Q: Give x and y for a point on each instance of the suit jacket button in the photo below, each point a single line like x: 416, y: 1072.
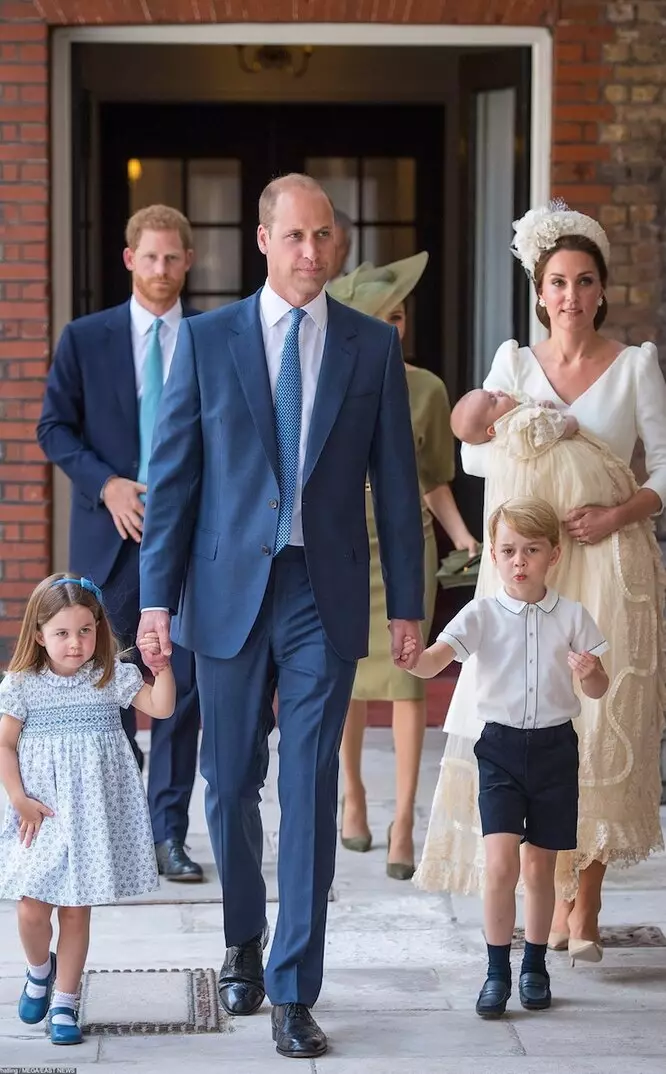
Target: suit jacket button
x: 266, y: 550
x: 273, y: 504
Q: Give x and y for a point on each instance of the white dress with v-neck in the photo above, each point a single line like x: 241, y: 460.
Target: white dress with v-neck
x: 619, y: 581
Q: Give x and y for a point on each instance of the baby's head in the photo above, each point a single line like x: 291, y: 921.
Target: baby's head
x: 473, y: 417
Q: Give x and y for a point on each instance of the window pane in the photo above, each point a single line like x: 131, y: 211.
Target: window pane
x: 210, y: 302
x: 156, y: 182
x: 217, y: 260
x: 382, y: 245
x: 214, y: 191
x: 389, y: 189
x: 338, y: 176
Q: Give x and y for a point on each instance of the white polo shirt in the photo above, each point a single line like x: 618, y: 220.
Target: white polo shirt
x: 522, y: 676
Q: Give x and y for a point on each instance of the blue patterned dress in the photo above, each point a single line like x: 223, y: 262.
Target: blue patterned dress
x: 74, y: 757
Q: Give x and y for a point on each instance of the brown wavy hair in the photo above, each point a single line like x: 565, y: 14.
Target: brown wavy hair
x: 45, y: 602
x: 578, y: 244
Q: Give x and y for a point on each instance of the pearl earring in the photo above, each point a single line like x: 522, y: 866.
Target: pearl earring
x: 601, y: 301
x: 542, y: 302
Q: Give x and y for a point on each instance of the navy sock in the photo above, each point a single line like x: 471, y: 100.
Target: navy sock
x: 534, y: 959
x: 499, y: 962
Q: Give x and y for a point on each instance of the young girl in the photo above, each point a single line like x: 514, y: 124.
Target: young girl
x: 77, y: 830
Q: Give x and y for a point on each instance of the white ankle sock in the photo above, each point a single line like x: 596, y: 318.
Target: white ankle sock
x: 38, y: 991
x: 64, y: 999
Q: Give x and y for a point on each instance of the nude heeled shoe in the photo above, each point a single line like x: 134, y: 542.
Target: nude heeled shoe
x: 558, y: 941
x: 585, y: 951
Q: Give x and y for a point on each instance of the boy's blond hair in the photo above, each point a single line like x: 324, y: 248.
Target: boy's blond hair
x: 527, y: 515
x: 158, y: 218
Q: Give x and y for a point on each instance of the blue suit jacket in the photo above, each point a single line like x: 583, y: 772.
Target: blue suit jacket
x: 211, y: 516
x: 90, y: 428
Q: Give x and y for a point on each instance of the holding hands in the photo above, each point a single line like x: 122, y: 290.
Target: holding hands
x: 406, y: 643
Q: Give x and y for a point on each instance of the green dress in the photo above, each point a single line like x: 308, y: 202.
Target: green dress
x: 377, y: 677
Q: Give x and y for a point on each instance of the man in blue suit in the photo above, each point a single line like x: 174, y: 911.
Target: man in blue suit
x: 97, y: 424
x: 277, y: 409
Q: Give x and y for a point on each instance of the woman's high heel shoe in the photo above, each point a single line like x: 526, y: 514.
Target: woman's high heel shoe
x: 361, y: 844
x: 585, y: 951
x: 558, y: 941
x: 397, y: 870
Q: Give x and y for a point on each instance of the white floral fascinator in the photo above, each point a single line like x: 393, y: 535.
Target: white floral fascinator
x: 539, y: 229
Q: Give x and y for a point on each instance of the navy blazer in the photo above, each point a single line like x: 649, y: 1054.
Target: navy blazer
x: 90, y: 428
x: 211, y: 511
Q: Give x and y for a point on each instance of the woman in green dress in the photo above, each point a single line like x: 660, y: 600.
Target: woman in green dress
x: 381, y: 292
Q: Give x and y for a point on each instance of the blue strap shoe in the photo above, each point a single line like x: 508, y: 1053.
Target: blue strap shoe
x: 534, y: 991
x: 34, y: 1010
x: 64, y: 1034
x: 493, y: 998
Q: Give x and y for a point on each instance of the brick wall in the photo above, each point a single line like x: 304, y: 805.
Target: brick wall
x: 24, y: 194
x: 609, y: 114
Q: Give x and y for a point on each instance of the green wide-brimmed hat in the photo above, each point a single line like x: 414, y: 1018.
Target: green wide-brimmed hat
x: 377, y: 290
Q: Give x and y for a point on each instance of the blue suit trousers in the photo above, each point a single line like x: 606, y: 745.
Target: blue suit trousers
x: 286, y: 651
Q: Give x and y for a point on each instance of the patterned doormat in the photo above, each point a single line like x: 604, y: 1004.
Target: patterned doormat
x: 119, y: 1002
x: 616, y: 936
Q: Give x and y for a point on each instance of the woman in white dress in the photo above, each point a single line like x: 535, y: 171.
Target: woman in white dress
x: 618, y: 394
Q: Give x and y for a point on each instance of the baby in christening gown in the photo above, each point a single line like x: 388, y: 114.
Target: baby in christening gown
x: 540, y: 451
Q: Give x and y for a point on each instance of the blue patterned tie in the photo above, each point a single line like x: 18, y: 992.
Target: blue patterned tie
x: 153, y: 380
x: 288, y: 401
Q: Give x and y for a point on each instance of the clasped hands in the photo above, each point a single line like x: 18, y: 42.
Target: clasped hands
x: 590, y: 524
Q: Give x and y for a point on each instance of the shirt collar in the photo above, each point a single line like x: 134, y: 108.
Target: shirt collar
x: 143, y: 319
x: 547, y: 603
x: 274, y: 307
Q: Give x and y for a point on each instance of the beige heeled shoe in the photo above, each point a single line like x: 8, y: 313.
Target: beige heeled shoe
x: 558, y: 941
x: 584, y: 951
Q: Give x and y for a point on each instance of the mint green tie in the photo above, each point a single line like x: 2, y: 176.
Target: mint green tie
x: 153, y: 380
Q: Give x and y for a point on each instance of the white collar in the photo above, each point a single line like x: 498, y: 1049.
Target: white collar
x: 547, y: 603
x: 274, y: 307
x: 143, y: 319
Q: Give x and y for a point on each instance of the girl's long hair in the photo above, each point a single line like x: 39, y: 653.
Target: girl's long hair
x: 46, y: 601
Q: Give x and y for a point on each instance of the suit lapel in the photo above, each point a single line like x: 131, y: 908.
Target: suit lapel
x: 120, y: 364
x: 337, y: 366
x: 247, y: 349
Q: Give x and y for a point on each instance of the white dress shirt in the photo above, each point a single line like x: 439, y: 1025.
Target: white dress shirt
x: 275, y: 321
x: 142, y: 321
x: 523, y: 679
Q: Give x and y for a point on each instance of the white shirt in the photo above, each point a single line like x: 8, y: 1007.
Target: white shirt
x: 142, y: 321
x: 275, y: 321
x: 626, y: 403
x: 522, y: 676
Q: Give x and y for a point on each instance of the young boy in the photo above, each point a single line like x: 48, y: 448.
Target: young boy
x: 528, y: 641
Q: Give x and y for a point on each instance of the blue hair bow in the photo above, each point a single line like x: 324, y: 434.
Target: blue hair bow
x: 85, y: 583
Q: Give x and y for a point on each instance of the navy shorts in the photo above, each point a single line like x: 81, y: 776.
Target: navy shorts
x: 528, y: 783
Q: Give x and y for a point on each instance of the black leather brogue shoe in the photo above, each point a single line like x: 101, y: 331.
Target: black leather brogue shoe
x: 295, y: 1032
x: 241, y: 981
x: 173, y: 862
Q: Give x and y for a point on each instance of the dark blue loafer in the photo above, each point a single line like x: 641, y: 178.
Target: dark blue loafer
x: 64, y: 1034
x: 34, y: 1010
x: 493, y: 998
x: 534, y: 991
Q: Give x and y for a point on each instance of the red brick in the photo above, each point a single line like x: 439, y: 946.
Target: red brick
x: 21, y: 31
x: 580, y: 113
x: 17, y: 590
x: 23, y: 113
x: 10, y: 72
x: 581, y: 152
